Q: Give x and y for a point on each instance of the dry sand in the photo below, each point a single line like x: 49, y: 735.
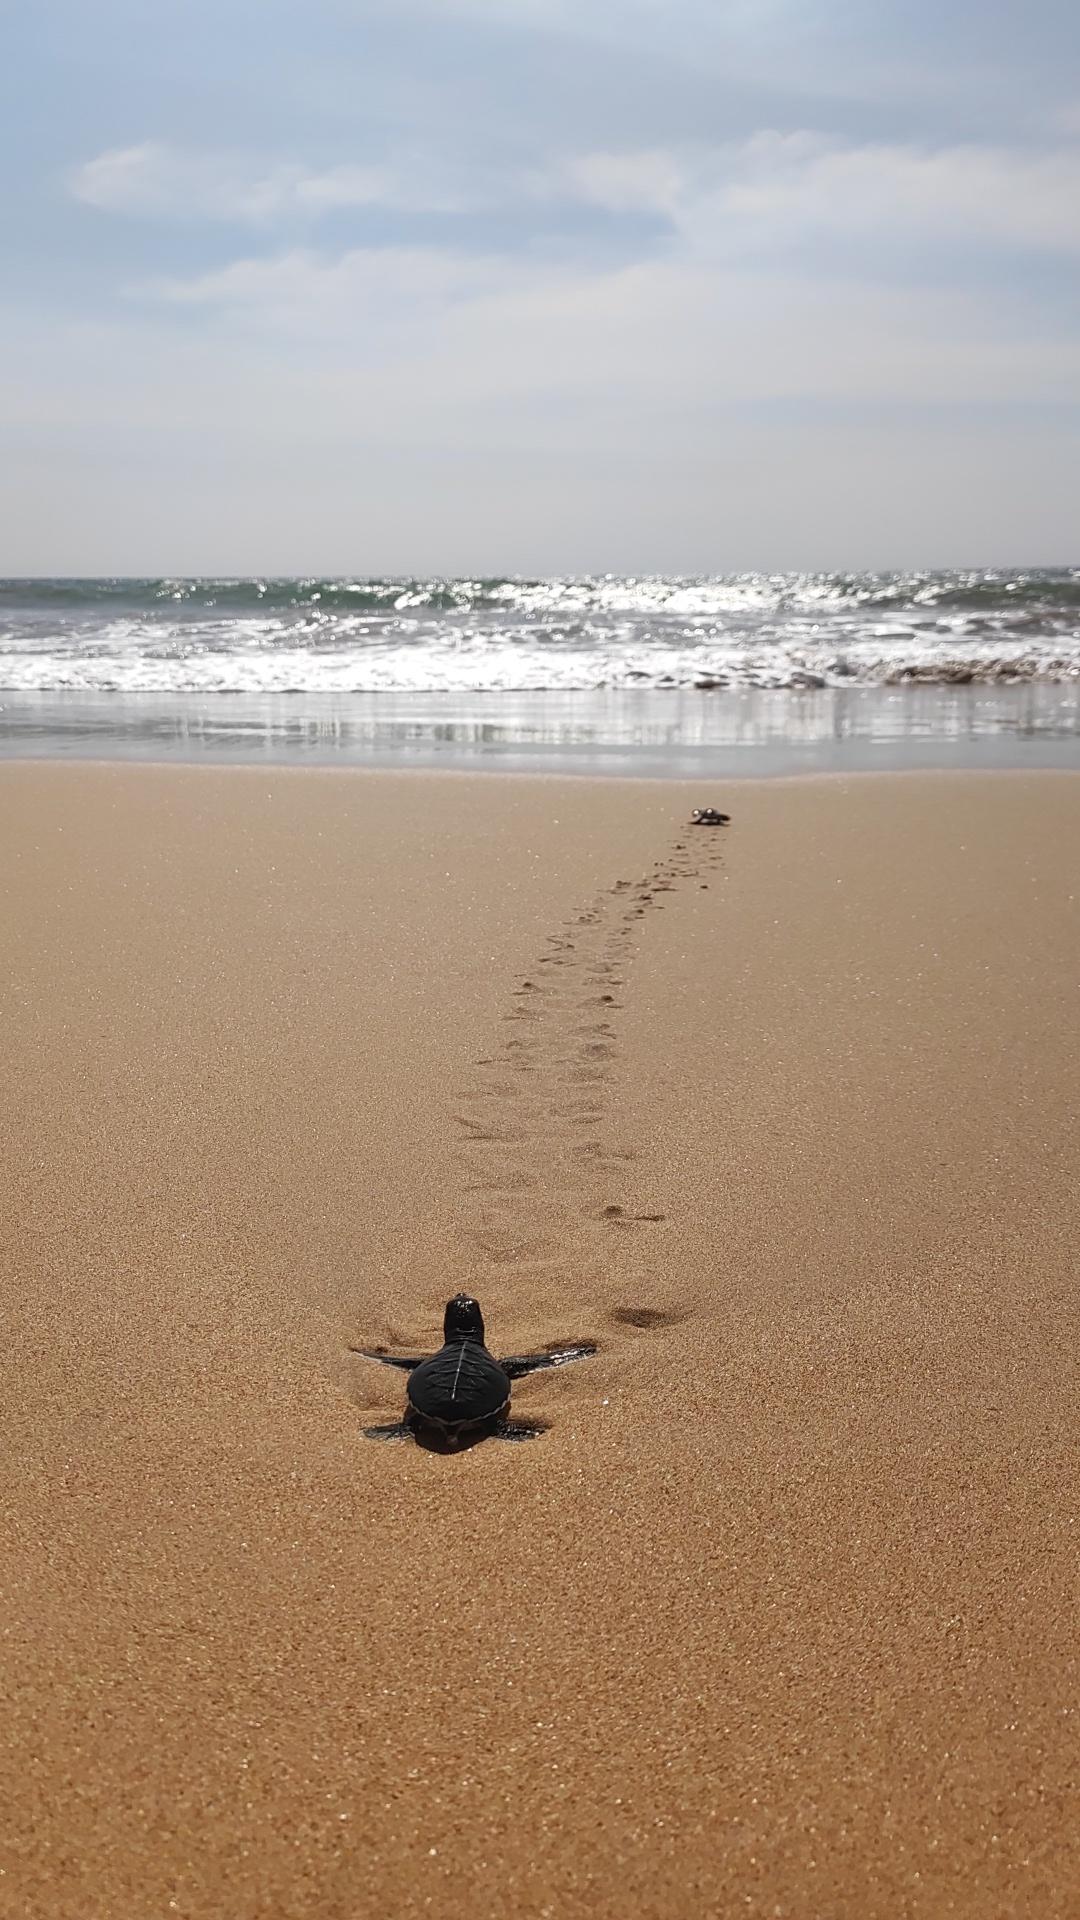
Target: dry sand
x: 779, y: 1617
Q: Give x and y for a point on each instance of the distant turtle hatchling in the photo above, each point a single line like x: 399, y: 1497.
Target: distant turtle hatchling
x: 708, y: 817
x: 462, y: 1393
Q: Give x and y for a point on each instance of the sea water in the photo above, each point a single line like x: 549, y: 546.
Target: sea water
x: 515, y: 635
x: 761, y: 672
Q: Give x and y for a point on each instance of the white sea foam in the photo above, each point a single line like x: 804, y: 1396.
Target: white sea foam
x: 471, y: 636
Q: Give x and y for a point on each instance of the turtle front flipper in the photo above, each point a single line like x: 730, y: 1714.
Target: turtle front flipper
x: 406, y: 1362
x: 522, y: 1363
x: 396, y: 1430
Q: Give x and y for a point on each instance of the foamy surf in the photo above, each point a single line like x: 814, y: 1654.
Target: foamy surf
x: 503, y: 635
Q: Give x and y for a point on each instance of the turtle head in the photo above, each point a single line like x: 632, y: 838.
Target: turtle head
x: 463, y: 1319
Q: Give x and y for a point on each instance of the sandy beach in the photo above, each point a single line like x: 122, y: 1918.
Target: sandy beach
x: 779, y: 1616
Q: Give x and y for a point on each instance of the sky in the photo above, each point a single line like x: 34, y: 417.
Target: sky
x: 487, y: 286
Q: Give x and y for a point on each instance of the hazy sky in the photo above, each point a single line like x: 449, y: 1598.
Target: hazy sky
x: 538, y: 285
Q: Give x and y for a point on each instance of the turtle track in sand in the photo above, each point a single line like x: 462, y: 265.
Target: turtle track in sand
x: 542, y: 1165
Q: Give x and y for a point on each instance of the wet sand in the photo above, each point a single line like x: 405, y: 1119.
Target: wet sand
x: 780, y: 1614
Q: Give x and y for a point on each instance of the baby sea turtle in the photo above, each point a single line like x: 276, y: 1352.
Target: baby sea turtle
x: 708, y: 817
x: 462, y: 1393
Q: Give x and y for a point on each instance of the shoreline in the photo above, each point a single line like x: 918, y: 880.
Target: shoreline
x: 777, y: 1612
x: 762, y: 734
x: 380, y: 773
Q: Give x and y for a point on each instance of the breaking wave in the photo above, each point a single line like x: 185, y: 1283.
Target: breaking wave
x: 518, y: 635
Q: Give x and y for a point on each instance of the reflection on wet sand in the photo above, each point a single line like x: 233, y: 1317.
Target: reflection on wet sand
x: 745, y: 731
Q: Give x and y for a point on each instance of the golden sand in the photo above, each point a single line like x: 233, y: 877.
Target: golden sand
x: 779, y: 1617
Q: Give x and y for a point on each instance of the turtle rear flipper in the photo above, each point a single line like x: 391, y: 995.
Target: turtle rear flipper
x: 453, y: 1436
x: 519, y: 1430
x: 433, y: 1442
x: 522, y: 1363
x: 407, y: 1362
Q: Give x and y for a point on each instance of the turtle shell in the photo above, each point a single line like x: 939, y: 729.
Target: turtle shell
x: 461, y: 1383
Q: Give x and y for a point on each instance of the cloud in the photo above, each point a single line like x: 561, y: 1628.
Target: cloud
x: 649, y: 182
x: 765, y: 290
x: 779, y: 190
x: 510, y: 232
x: 762, y: 305
x: 377, y: 304
x: 411, y: 336
x: 760, y: 196
x: 792, y: 184
x: 693, y: 23
x: 902, y: 49
x: 157, y: 181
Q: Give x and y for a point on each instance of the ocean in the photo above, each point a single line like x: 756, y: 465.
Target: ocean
x: 463, y: 636
x: 740, y: 673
